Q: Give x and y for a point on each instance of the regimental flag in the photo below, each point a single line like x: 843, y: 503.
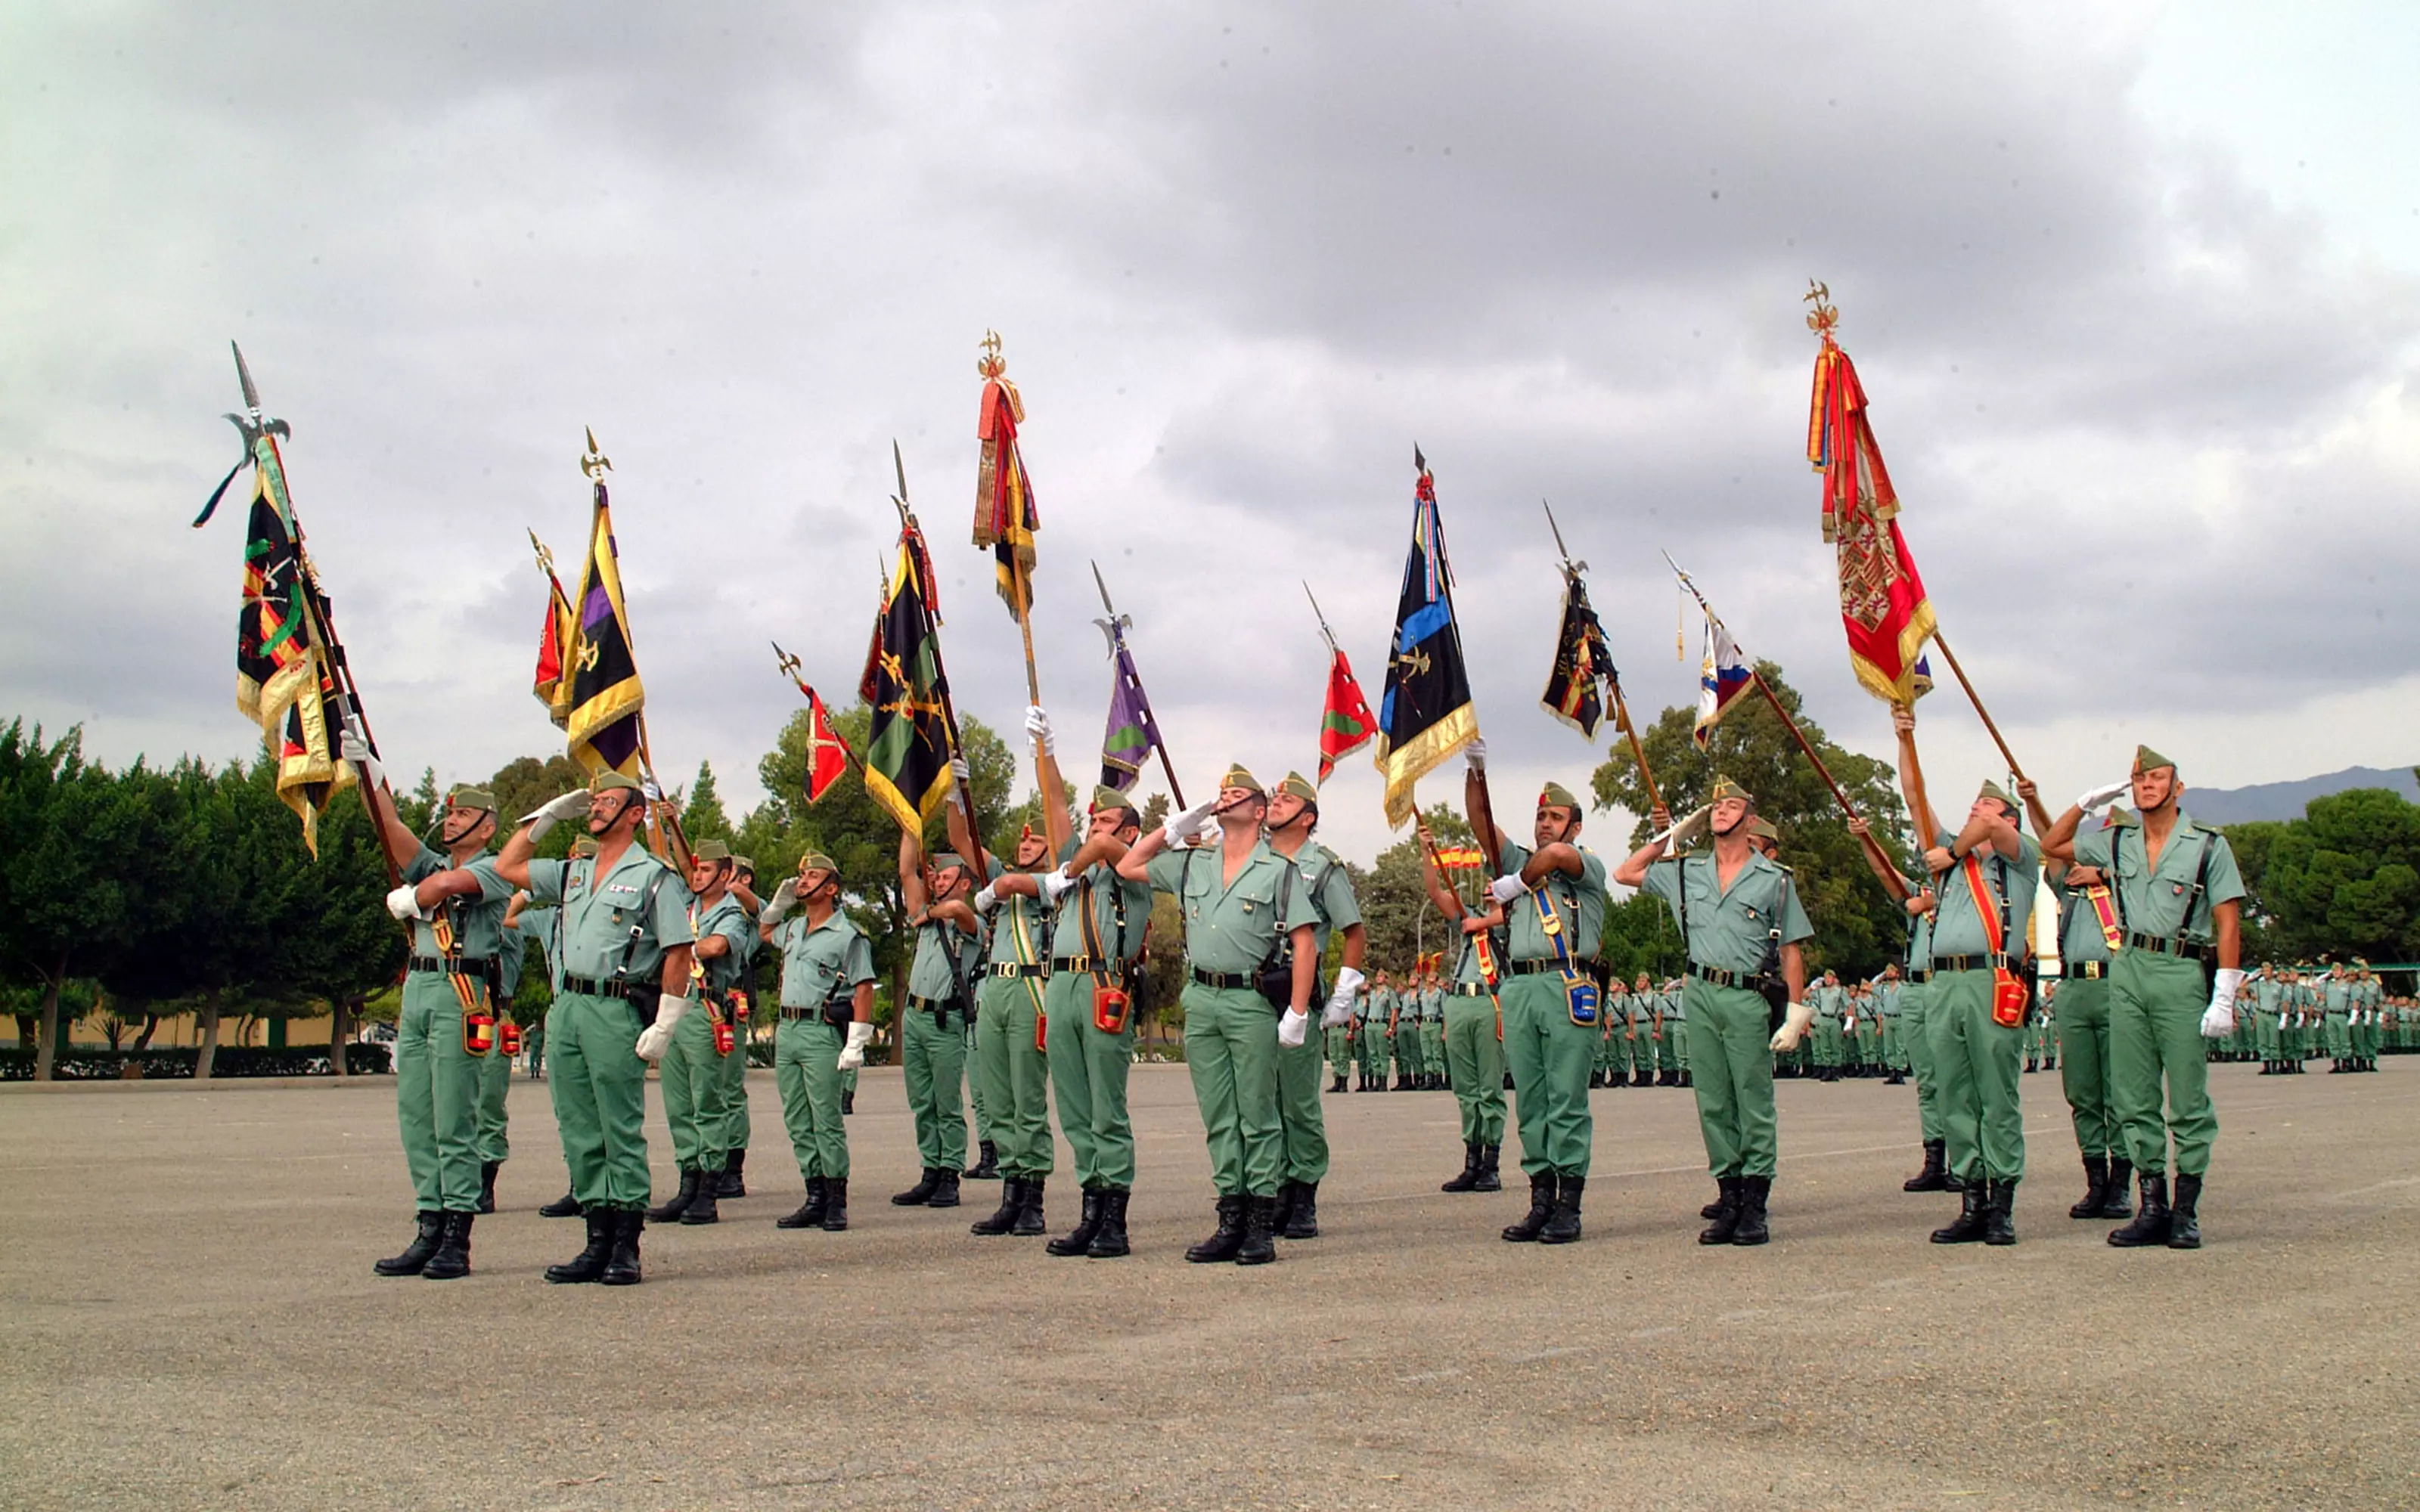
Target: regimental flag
x: 828, y: 754
x: 1133, y: 735
x: 284, y: 679
x: 1722, y: 677
x: 601, y: 717
x: 1582, y: 663
x: 1426, y: 714
x: 913, y: 736
x: 1347, y: 724
x: 1883, y: 604
x: 554, y: 639
x: 1005, y: 519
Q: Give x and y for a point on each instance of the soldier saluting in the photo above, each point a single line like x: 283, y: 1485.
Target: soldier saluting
x: 626, y: 962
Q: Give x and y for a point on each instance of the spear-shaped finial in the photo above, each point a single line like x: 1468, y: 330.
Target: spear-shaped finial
x: 595, y: 464
x: 1570, y: 568
x: 545, y: 557
x: 1324, y: 630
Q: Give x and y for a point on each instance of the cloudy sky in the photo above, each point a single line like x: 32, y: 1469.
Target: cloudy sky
x: 2135, y: 290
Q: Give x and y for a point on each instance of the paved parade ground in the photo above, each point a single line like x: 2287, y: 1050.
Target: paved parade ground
x: 188, y: 1319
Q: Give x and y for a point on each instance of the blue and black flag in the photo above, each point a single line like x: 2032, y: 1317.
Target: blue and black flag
x: 1426, y: 715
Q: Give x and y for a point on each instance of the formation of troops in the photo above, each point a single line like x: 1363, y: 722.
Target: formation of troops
x: 1026, y: 971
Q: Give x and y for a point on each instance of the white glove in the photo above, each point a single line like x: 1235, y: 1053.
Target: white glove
x: 1339, y: 1002
x: 985, y: 899
x: 1054, y: 885
x: 1689, y: 828
x: 1476, y: 754
x: 1793, y: 1027
x: 1507, y: 887
x: 1292, y: 1027
x: 354, y: 747
x: 2219, y: 1021
x: 785, y: 897
x: 852, y: 1055
x: 1037, y: 728
x: 657, y: 1038
x: 961, y: 779
x: 404, y: 902
x: 650, y: 790
x: 2101, y: 797
x: 553, y: 811
x: 1849, y: 1025
x: 1181, y: 826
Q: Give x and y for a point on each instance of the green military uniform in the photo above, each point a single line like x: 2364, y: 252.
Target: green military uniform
x: 2335, y: 1002
x: 1547, y: 1054
x: 1977, y: 1059
x: 745, y: 1011
x: 1089, y: 1064
x: 1826, y: 997
x: 2084, y: 1029
x: 1474, y: 1057
x: 933, y: 1040
x: 615, y: 926
x: 2268, y: 997
x: 1015, y: 1076
x: 1403, y: 1036
x: 1672, y: 1050
x: 821, y: 966
x: 496, y: 1073
x: 1338, y: 1042
x: 1432, y: 1005
x: 1886, y: 996
x: 1915, y: 1033
x: 1322, y: 881
x: 691, y: 1075
x: 1370, y: 1018
x: 437, y: 1078
x: 1869, y: 1032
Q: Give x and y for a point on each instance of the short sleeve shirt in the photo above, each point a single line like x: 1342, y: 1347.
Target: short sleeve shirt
x: 1729, y: 930
x: 1233, y: 927
x: 600, y: 912
x: 1382, y: 1003
x: 1957, y: 928
x: 477, y: 919
x: 817, y: 958
x: 2079, y: 927
x: 1102, y: 890
x: 729, y: 920
x: 931, y: 976
x: 2151, y: 900
x: 1020, y: 934
x: 1582, y: 897
x: 539, y: 923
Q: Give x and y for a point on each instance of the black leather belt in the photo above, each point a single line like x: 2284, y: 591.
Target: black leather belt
x: 1919, y: 978
x: 1967, y: 962
x: 470, y: 966
x: 2178, y: 947
x: 1087, y: 963
x: 1537, y: 969
x: 930, y: 1005
x: 2085, y: 970
x: 1223, y: 978
x: 1010, y: 968
x: 594, y: 988
x: 808, y: 1012
x: 1720, y: 978
x: 1470, y: 988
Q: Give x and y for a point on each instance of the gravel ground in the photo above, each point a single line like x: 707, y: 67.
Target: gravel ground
x: 188, y: 1319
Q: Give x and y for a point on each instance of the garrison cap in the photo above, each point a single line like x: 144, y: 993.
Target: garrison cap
x: 472, y: 798
x: 610, y: 782
x: 1109, y: 798
x: 2000, y: 795
x: 1726, y: 788
x: 1556, y: 796
x: 2148, y: 760
x: 1239, y: 777
x: 818, y: 861
x: 1762, y: 829
x: 1300, y: 786
x: 711, y: 850
x: 743, y: 863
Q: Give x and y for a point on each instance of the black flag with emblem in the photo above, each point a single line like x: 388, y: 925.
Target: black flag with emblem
x: 908, y: 748
x: 1426, y: 715
x: 1573, y: 692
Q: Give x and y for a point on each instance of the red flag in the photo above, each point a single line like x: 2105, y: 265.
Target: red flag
x: 1347, y: 724
x: 828, y: 754
x: 549, y: 684
x: 1883, y: 604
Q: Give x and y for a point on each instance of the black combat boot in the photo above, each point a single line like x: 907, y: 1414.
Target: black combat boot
x: 566, y: 1206
x: 670, y: 1212
x: 1078, y: 1239
x: 945, y: 1189
x: 1895, y: 1079
x: 1490, y: 1179
x: 848, y: 1102
x: 415, y: 1255
x: 922, y: 1193
x: 1468, y: 1179
x: 487, y: 1170
x: 1260, y: 1229
x: 2184, y: 1221
x: 1339, y: 1086
x: 702, y: 1208
x: 1302, y: 1219
x: 1283, y: 1214
x: 986, y: 1165
x: 835, y: 1204
x: 1754, y: 1190
x: 1029, y: 1221
x: 1970, y: 1220
x: 2121, y: 1178
x: 1933, y: 1178
x: 622, y: 1261
x: 731, y: 1184
x: 1564, y: 1224
x: 1596, y: 1080
x: 1725, y: 1213
x: 2154, y: 1223
x: 1688, y: 1078
x: 452, y: 1257
x: 1004, y: 1218
x: 1714, y: 1209
x: 1542, y: 1208
x: 2096, y: 1191
x: 1642, y: 1077
x: 1999, y: 1212
x: 1111, y: 1242
x: 1230, y: 1237
x: 589, y: 1264
x: 811, y: 1212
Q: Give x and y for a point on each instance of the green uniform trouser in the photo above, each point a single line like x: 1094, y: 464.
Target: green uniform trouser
x: 2155, y: 1008
x: 2339, y: 1037
x: 536, y: 1038
x: 933, y: 1056
x: 1915, y: 1033
x: 1869, y: 1041
x: 733, y: 1073
x: 600, y: 1098
x: 1340, y: 1050
x: 1977, y: 1063
x: 1014, y: 1075
x: 2083, y: 1076
x: 1432, y: 1046
x: 1369, y: 1050
x: 1301, y: 1126
x: 1731, y: 1049
x: 2266, y: 1035
x: 1548, y: 1055
x: 1894, y: 1050
x: 806, y: 1069
x: 1088, y: 1072
x: 1231, y: 1048
x: 1406, y: 1047
x: 1827, y: 1042
x: 495, y: 1080
x: 1668, y: 1046
x: 1475, y: 1058
x: 970, y: 1059
x: 437, y: 1095
x: 690, y: 1075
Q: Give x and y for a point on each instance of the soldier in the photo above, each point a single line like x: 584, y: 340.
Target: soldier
x: 2177, y: 898
x: 691, y: 1075
x: 826, y: 1018
x: 1432, y: 1032
x: 932, y: 1024
x: 1010, y: 1037
x: 1474, y: 1048
x: 1242, y: 904
x: 1915, y: 1006
x: 1338, y: 1038
x: 1553, y: 894
x: 1403, y: 1031
x: 2267, y: 996
x: 496, y: 1074
x: 742, y: 994
x: 625, y: 942
x: 1825, y: 998
x: 2046, y: 1017
x: 1984, y: 875
x: 1645, y: 1028
x: 543, y: 924
x: 2335, y: 1002
x: 1293, y: 813
x: 1741, y: 922
x: 455, y: 901
x: 2084, y: 956
x: 1377, y: 1009
x: 1615, y: 1057
x: 1097, y: 943
x: 1888, y: 992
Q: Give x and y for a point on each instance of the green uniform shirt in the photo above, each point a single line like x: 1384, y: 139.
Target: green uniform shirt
x: 816, y: 957
x: 932, y: 975
x: 1323, y: 878
x: 2079, y: 928
x: 1102, y: 890
x: 1885, y: 999
x: 1466, y: 970
x: 1232, y: 928
x: 1829, y: 1002
x: 478, y: 919
x: 1957, y: 928
x: 1729, y: 931
x: 1020, y: 927
x: 511, y: 945
x: 1376, y: 1004
x: 2151, y: 901
x: 730, y: 920
x: 600, y: 912
x: 542, y: 923
x: 1580, y: 897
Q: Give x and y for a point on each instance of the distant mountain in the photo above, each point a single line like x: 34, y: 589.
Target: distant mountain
x: 2285, y: 800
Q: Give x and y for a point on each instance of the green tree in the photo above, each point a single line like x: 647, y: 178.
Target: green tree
x: 63, y: 907
x: 1859, y: 927
x: 702, y: 816
x: 1399, y: 920
x: 2342, y: 881
x: 524, y: 782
